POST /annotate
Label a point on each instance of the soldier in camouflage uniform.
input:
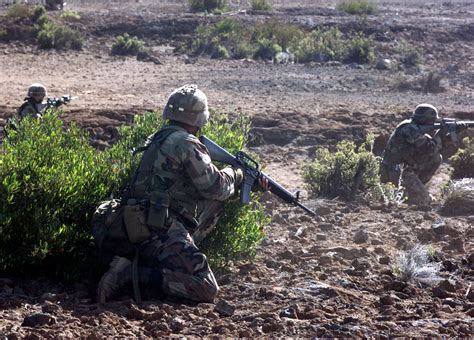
(174, 201)
(33, 103)
(413, 154)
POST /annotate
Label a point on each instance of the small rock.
(383, 64)
(384, 260)
(49, 297)
(224, 308)
(440, 292)
(470, 312)
(136, 313)
(177, 324)
(326, 226)
(49, 307)
(321, 237)
(448, 285)
(289, 313)
(38, 319)
(361, 236)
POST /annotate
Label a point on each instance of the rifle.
(252, 174)
(448, 125)
(57, 102)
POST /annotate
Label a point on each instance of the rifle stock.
(252, 174)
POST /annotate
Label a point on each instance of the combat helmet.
(425, 113)
(187, 104)
(36, 90)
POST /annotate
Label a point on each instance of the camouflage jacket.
(409, 146)
(29, 108)
(177, 162)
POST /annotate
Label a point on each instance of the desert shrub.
(127, 45)
(206, 5)
(19, 11)
(266, 49)
(359, 49)
(276, 33)
(349, 171)
(39, 12)
(52, 180)
(321, 45)
(357, 6)
(458, 198)
(240, 228)
(463, 160)
(212, 40)
(70, 16)
(59, 37)
(431, 82)
(409, 55)
(415, 265)
(260, 5)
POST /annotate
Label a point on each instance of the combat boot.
(119, 274)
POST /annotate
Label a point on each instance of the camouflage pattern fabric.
(186, 272)
(418, 154)
(182, 157)
(180, 164)
(29, 108)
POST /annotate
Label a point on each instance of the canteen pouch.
(158, 210)
(135, 218)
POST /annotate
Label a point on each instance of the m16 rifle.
(252, 174)
(57, 102)
(449, 126)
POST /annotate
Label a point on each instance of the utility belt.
(146, 218)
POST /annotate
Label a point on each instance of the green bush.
(357, 6)
(346, 173)
(463, 161)
(260, 5)
(240, 228)
(211, 40)
(70, 16)
(52, 180)
(19, 11)
(231, 39)
(327, 45)
(39, 12)
(409, 55)
(127, 45)
(207, 5)
(59, 37)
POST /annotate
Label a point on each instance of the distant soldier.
(34, 104)
(414, 154)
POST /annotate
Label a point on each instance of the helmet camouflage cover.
(425, 112)
(188, 105)
(36, 90)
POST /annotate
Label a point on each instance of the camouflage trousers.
(184, 268)
(412, 178)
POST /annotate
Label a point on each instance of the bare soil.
(310, 278)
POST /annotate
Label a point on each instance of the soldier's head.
(188, 105)
(37, 92)
(425, 114)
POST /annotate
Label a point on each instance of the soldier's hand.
(263, 182)
(239, 176)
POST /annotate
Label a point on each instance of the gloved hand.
(239, 176)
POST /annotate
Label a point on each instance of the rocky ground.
(310, 278)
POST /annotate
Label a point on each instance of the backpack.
(108, 229)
